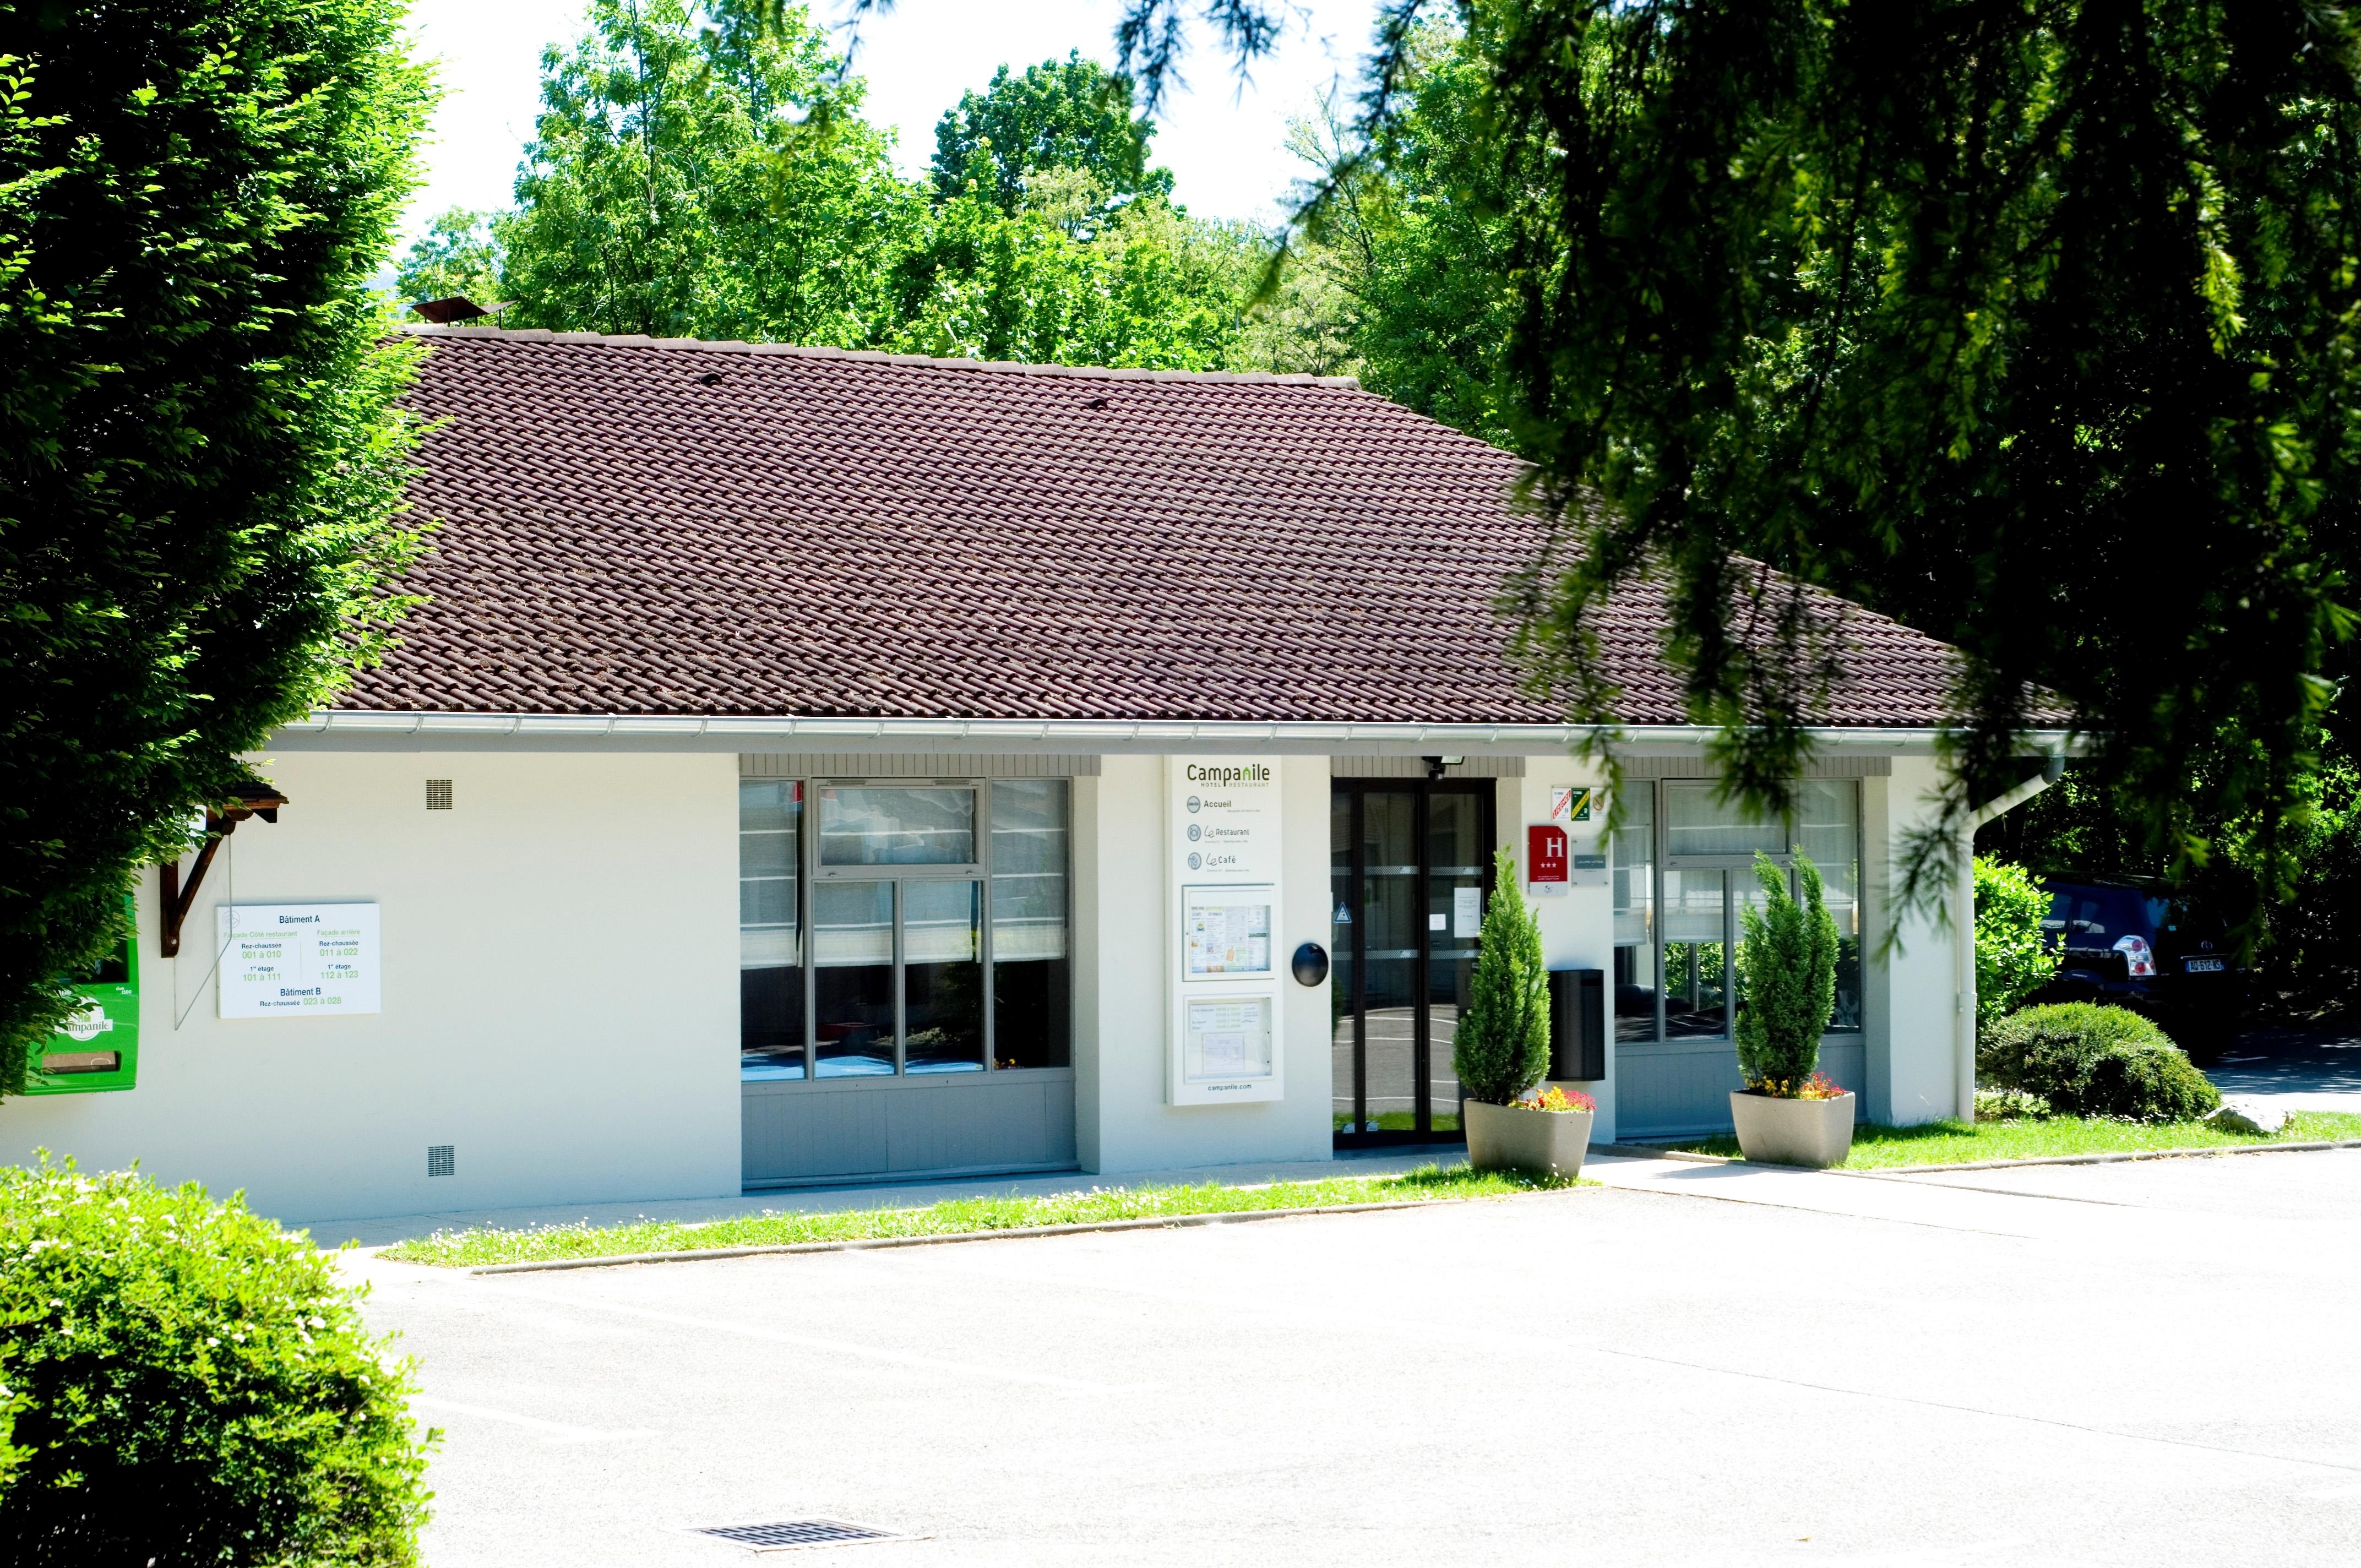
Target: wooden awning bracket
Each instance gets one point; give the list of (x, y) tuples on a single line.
[(221, 821)]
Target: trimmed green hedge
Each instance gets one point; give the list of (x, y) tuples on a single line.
[(2089, 1060), (195, 1387)]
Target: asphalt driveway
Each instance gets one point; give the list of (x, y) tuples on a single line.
[(2304, 1068), (2132, 1364)]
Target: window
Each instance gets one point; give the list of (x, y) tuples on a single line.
[(1032, 979), (898, 826), (939, 928), (1635, 917), (1683, 873), (1697, 824), (1828, 826), (852, 967), (770, 936), (942, 976)]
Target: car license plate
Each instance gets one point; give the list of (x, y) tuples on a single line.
[(2202, 966)]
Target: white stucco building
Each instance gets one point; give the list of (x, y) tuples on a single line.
[(811, 766)]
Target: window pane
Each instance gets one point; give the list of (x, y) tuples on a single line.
[(1032, 981), (1340, 960), (770, 945), (942, 970), (1745, 893), (852, 964), (1634, 859), (1392, 930), (1694, 968), (1457, 876), (1697, 824), (898, 827), (1828, 826)]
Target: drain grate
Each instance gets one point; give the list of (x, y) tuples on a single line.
[(800, 1532)]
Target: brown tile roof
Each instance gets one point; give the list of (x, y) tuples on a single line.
[(636, 528)]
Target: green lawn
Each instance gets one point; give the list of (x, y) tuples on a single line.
[(1952, 1143), (1401, 1121), (475, 1248)]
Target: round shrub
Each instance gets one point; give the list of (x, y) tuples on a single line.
[(2089, 1060), (195, 1387)]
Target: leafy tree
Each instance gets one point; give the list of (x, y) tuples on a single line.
[(202, 461), (1151, 288), (704, 173), (1069, 114), (1788, 979), (459, 255), (1413, 249), (1502, 1046), (2031, 322), (2012, 962)]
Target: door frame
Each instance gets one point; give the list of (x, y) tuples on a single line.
[(1423, 791)]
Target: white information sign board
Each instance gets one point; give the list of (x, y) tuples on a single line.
[(298, 960), (1223, 843)]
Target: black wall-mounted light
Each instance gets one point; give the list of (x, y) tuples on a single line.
[(1310, 964)]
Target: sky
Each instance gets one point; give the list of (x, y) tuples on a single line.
[(1222, 139)]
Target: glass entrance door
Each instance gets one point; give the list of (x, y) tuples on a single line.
[(1408, 875)]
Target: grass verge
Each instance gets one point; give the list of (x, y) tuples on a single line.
[(475, 1248), (1876, 1148)]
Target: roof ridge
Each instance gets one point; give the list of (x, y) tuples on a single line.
[(734, 345)]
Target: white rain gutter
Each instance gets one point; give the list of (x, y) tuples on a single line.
[(1963, 1030), (1083, 734)]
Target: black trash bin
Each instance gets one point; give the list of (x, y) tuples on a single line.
[(1578, 1024)]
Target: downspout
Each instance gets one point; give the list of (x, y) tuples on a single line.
[(1964, 1034)]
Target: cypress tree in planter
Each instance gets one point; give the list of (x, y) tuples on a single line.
[(1788, 1112), (1502, 1047)]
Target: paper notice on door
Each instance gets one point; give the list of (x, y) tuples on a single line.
[(1466, 912)]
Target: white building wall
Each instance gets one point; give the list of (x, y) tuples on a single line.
[(1912, 1017), (1577, 929), (560, 996), (1121, 1014)]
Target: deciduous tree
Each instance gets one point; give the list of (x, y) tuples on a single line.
[(2031, 322), (704, 171)]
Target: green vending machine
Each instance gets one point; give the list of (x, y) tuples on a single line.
[(98, 1048)]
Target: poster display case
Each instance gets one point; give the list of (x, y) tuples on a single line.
[(1224, 1039)]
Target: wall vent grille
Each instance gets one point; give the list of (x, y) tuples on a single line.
[(438, 794), (442, 1159)]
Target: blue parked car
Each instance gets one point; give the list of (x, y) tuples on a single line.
[(2133, 943)]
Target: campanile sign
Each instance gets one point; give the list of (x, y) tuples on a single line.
[(1223, 842)]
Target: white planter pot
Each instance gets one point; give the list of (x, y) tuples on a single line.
[(1816, 1133), (1515, 1137)]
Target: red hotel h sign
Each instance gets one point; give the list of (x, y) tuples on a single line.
[(1546, 853)]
